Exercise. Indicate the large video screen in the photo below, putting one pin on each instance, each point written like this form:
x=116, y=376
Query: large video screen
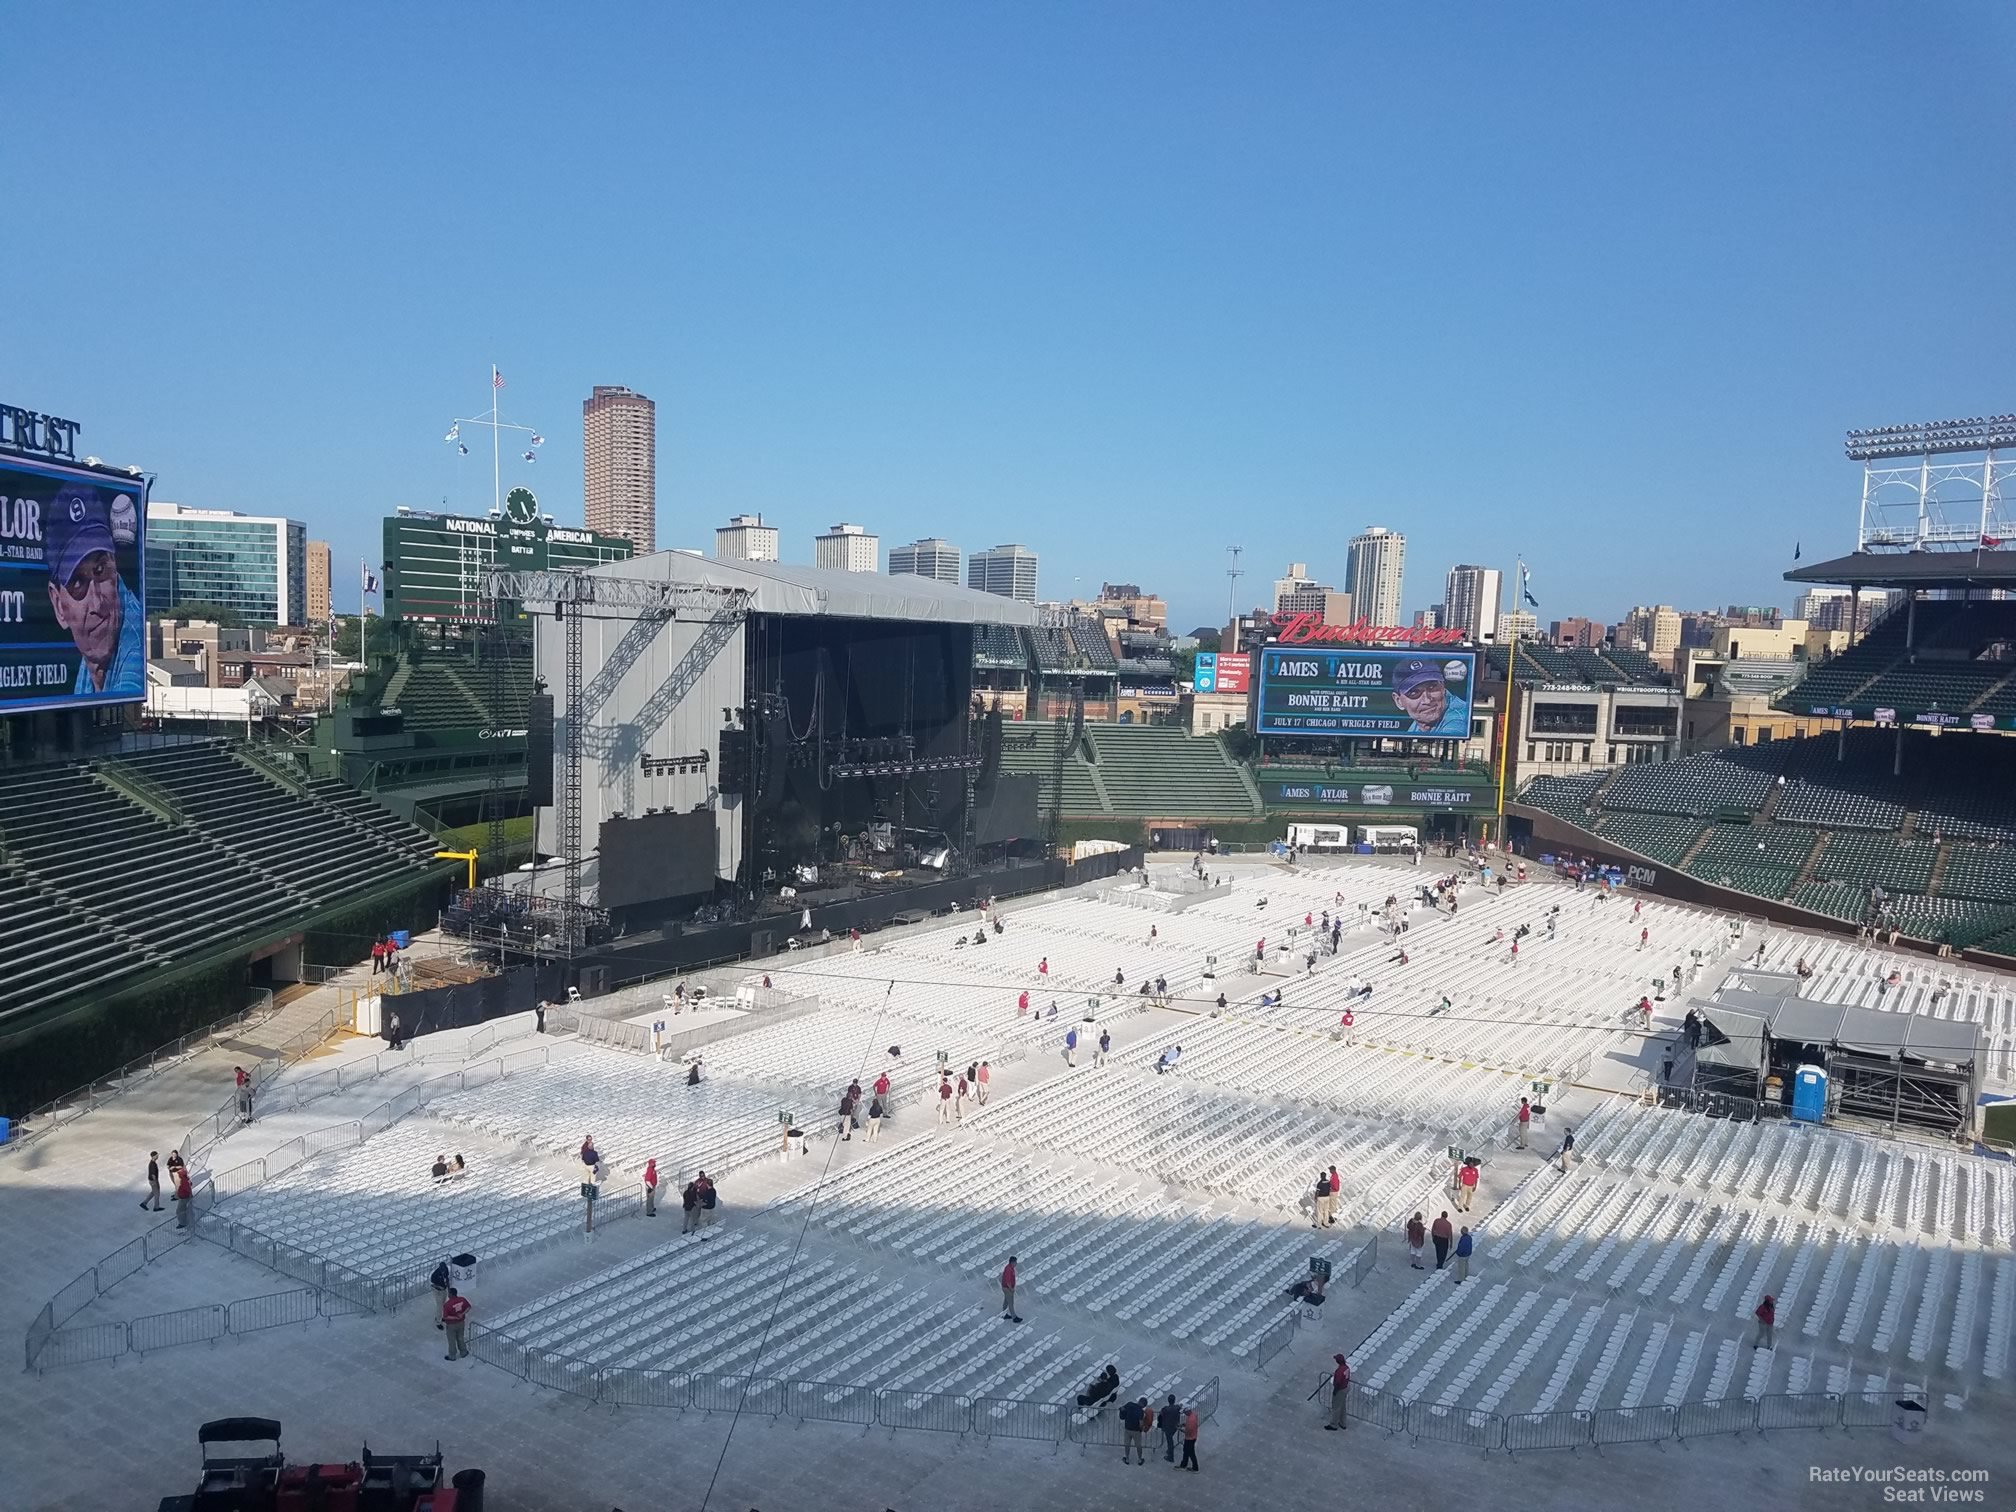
x=73, y=632
x=1423, y=695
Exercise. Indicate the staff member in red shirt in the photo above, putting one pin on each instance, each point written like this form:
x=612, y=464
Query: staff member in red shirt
x=455, y=1321
x=1008, y=1291
x=1340, y=1395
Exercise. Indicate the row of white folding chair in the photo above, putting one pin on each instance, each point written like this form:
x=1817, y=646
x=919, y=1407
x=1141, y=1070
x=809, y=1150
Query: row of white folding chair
x=1903, y=1287
x=724, y=1341
x=1426, y=1327
x=1570, y=1357
x=558, y=1313
x=632, y=1334
x=1466, y=1322
x=1606, y=1363
x=805, y=1354
x=892, y=1343
x=2001, y=1320
x=1531, y=1347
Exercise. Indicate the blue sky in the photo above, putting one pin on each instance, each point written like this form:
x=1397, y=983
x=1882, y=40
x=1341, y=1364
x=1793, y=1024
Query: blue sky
x=1129, y=283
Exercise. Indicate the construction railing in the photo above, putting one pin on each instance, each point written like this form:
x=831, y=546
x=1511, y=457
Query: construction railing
x=1281, y=1333
x=1523, y=1432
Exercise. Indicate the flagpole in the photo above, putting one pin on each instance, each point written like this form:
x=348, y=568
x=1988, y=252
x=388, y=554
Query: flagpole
x=363, y=617
x=496, y=462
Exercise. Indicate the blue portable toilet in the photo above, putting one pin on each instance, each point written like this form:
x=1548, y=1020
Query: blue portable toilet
x=1809, y=1094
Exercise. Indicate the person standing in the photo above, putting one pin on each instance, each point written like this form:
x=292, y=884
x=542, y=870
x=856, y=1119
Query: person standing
x=1466, y=1186
x=709, y=1200
x=1417, y=1240
x=1190, y=1426
x=153, y=1197
x=1767, y=1324
x=1008, y=1291
x=1071, y=1046
x=539, y=1017
x=981, y=1078
x=183, y=1196
x=1442, y=1233
x=1567, y=1152
x=1464, y=1245
x=846, y=1116
x=1105, y=1047
x=1340, y=1395
x=1522, y=1123
x=689, y=1200
x=944, y=1099
x=440, y=1278
x=651, y=1187
x=1130, y=1431
x=1022, y=1004
x=455, y=1323
x=959, y=1094
x=244, y=1093
x=874, y=1119
x=1322, y=1208
x=1169, y=1421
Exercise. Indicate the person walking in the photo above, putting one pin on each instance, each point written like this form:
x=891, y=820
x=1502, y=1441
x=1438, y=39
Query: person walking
x=874, y=1119
x=1567, y=1152
x=1464, y=1245
x=455, y=1323
x=1105, y=1047
x=183, y=1196
x=959, y=1101
x=1191, y=1423
x=1466, y=1186
x=244, y=1093
x=1321, y=1212
x=1417, y=1240
x=1340, y=1395
x=1131, y=1414
x=1767, y=1324
x=1442, y=1233
x=1071, y=1046
x=153, y=1197
x=944, y=1099
x=1522, y=1122
x=981, y=1078
x=1168, y=1422
x=651, y=1187
x=1008, y=1291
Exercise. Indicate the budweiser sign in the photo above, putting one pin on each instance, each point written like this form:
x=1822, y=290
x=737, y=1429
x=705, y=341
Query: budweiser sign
x=1309, y=630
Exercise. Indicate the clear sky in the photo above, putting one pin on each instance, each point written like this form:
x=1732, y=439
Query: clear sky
x=1129, y=283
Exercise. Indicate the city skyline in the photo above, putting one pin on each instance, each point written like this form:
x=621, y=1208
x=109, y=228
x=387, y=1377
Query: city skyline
x=1635, y=380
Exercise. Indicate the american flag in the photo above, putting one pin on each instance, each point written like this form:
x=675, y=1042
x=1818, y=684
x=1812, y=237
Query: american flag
x=496, y=379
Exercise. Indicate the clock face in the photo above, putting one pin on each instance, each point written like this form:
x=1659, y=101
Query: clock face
x=521, y=507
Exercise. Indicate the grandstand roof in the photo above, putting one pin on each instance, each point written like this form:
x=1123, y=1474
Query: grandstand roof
x=780, y=588
x=1913, y=569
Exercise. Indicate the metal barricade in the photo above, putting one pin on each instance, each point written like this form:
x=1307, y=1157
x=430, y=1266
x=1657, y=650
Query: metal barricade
x=335, y=1137
x=238, y=1178
x=315, y=1084
x=1872, y=1409
x=274, y=1310
x=1631, y=1425
x=74, y=1295
x=934, y=1411
x=1367, y=1256
x=730, y=1393
x=523, y=1060
x=252, y=1244
x=1010, y=1417
x=1547, y=1430
x=1804, y=1409
x=1382, y=1409
x=190, y=1325
x=1273, y=1339
x=43, y=1325
x=89, y=1341
x=1455, y=1425
x=830, y=1402
x=125, y=1261
x=482, y=1074
x=1705, y=1419
x=560, y=1373
x=1099, y=1425
x=1205, y=1399
x=643, y=1388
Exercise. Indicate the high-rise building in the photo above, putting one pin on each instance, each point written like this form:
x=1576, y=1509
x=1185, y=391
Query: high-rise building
x=745, y=538
x=1377, y=563
x=1007, y=571
x=1429, y=618
x=1518, y=624
x=1470, y=600
x=253, y=565
x=1576, y=631
x=847, y=548
x=619, y=458
x=318, y=582
x=1655, y=630
x=929, y=558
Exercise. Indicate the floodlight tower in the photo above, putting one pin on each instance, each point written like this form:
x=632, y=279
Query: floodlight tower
x=1233, y=573
x=1923, y=505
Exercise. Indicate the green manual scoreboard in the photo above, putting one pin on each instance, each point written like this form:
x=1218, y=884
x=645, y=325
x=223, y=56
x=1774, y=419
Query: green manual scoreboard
x=434, y=563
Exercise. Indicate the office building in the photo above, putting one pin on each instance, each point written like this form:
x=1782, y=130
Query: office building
x=1577, y=631
x=1654, y=630
x=1008, y=571
x=929, y=558
x=847, y=548
x=1470, y=601
x=619, y=460
x=256, y=566
x=1429, y=618
x=1518, y=624
x=745, y=538
x=1373, y=574
x=318, y=583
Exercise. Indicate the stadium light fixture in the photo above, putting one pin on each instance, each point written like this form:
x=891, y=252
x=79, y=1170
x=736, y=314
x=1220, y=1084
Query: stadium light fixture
x=1931, y=438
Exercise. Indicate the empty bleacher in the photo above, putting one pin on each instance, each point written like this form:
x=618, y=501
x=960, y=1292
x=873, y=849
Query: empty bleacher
x=1163, y=771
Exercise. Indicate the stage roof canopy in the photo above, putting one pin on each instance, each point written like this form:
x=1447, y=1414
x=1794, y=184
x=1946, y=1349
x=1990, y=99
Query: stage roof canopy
x=1871, y=1031
x=1913, y=569
x=781, y=588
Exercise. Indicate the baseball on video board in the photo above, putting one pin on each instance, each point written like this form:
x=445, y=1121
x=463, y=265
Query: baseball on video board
x=72, y=629
x=1420, y=694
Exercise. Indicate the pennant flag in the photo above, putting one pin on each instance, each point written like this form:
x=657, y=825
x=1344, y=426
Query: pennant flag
x=537, y=439
x=1988, y=540
x=463, y=449
x=1525, y=587
x=531, y=456
x=1795, y=551
x=454, y=432
x=370, y=577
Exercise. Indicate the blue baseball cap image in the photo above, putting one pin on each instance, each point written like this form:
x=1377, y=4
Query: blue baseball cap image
x=77, y=523
x=1415, y=673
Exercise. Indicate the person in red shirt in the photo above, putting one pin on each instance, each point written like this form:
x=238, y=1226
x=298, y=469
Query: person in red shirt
x=1336, y=1186
x=1441, y=1232
x=1043, y=967
x=944, y=1100
x=244, y=1093
x=377, y=956
x=1767, y=1324
x=1340, y=1394
x=1191, y=1423
x=1022, y=1003
x=651, y=1187
x=1466, y=1186
x=983, y=1076
x=882, y=1085
x=454, y=1322
x=1525, y=1122
x=183, y=1194
x=1008, y=1291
